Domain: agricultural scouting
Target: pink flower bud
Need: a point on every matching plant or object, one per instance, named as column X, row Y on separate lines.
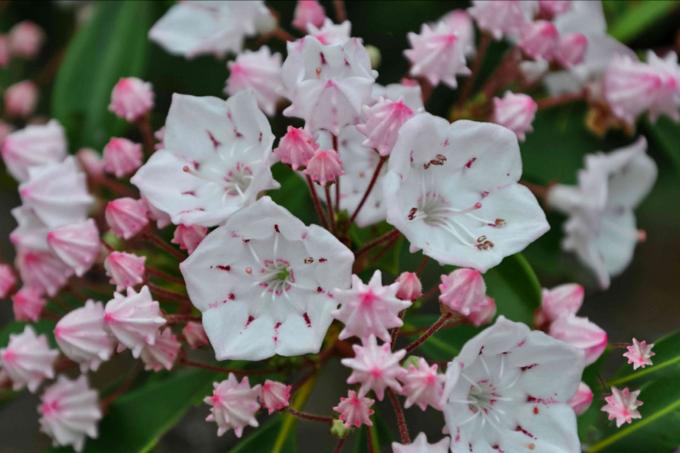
column 124, row 269
column 622, row 405
column 131, row 98
column 126, row 216
column 195, row 335
column 325, row 166
column 122, row 157
column 21, row 99
column 28, row 359
column 563, row 300
column 274, row 395
column 463, row 291
column 582, row 399
column 581, row 333
column 296, row 147
column 76, row 244
column 539, row 40
column 33, row 146
column 7, row 280
column 28, row 304
column 5, row 56
column 552, row 8
column 516, row 112
column 189, row 236
column 639, row 354
column 162, row 353
column 355, row 410
column 410, row 287
column 382, row 123
column 308, row 12
column 502, row 18
column 484, row 313
column 571, row 49
column 42, row 270
column 91, row 161
column 26, row 39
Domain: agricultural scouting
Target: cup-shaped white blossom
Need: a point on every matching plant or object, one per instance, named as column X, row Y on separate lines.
column 76, row 244
column 420, row 445
column 122, row 156
column 516, row 112
column 69, row 412
column 508, row 389
column 57, row 193
column 33, row 146
column 327, row 84
column 438, row 54
column 197, row 28
column 264, row 283
column 82, row 337
column 131, row 98
column 134, row 319
column 233, row 405
column 216, row 159
column 369, row 309
column 452, row 190
column 162, row 354
column 259, row 71
column 28, row 359
column 28, row 304
column 601, row 228
column 124, row 269
column 503, row 18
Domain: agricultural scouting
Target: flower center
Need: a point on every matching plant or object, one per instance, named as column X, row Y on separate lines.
column 237, row 180
column 277, row 276
column 482, row 397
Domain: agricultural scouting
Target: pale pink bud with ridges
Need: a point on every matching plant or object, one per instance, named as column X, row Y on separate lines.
column 274, row 395
column 7, row 280
column 539, row 40
column 125, row 269
column 622, row 406
column 21, row 99
column 69, row 412
column 464, row 291
column 28, row 304
column 460, row 22
column 195, row 335
column 122, row 156
column 325, row 166
column 423, row 385
column 5, row 55
column 639, row 354
column 582, row 399
column 516, row 112
column 581, row 333
column 163, row 353
column 77, row 245
column 410, row 287
column 42, row 270
column 355, row 410
column 126, row 216
column 131, row 98
column 382, row 123
column 308, row 12
column 484, row 313
column 296, row 148
column 33, row 146
column 571, row 49
column 26, row 39
column 82, row 337
column 233, row 405
column 28, row 359
column 91, row 162
column 189, row 236
column 563, row 300
column 134, row 319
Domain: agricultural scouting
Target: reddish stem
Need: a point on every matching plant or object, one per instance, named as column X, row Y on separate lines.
column 484, row 42
column 329, row 208
column 144, row 126
column 339, row 445
column 161, row 244
column 340, row 11
column 371, row 184
column 401, row 418
column 438, row 324
column 377, row 241
column 176, row 318
column 316, row 202
column 308, row 416
column 164, row 275
column 562, row 99
column 236, row 371
column 166, row 294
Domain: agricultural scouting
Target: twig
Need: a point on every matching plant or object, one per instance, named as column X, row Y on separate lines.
column 309, row 416
column 329, row 208
column 340, row 11
column 438, row 324
column 170, row 295
column 164, row 275
column 484, row 42
column 236, row 371
column 562, row 99
column 161, row 244
column 339, row 445
column 371, row 184
column 317, row 203
column 377, row 241
column 401, row 418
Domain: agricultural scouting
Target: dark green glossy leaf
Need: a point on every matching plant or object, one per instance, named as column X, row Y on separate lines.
column 41, row 327
column 515, row 287
column 111, row 45
column 638, row 17
column 666, row 135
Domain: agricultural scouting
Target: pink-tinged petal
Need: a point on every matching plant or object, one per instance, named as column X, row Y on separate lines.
column 581, row 333
column 233, row 405
column 274, row 395
column 410, row 287
column 423, row 385
column 162, row 354
column 324, row 167
column 77, row 245
column 464, row 292
column 622, row 406
column 308, row 12
column 33, row 146
column 26, row 39
column 195, row 335
column 91, row 161
column 296, row 148
column 126, row 217
column 639, row 354
column 420, row 445
column 28, row 359
column 582, row 399
column 563, row 300
column 516, row 112
column 8, row 280
column 571, row 49
column 539, row 40
column 122, row 157
column 21, row 99
column 382, row 123
column 502, row 18
column 260, row 72
column 131, row 98
column 28, row 304
column 189, row 236
column 125, row 269
column 42, row 270
column 355, row 410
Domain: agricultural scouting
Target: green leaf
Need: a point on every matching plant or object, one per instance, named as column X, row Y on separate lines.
column 41, row 327
column 264, row 438
column 666, row 135
column 293, row 194
column 111, row 45
column 666, row 363
column 638, row 17
column 137, row 420
column 656, row 431
column 515, row 287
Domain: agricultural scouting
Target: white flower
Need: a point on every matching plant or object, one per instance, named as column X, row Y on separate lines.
column 601, row 228
column 408, row 90
column 264, row 283
column 420, row 445
column 327, row 84
column 216, row 159
column 509, row 390
column 452, row 190
column 210, row 27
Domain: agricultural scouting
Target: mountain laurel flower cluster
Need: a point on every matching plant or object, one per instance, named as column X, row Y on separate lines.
column 310, row 214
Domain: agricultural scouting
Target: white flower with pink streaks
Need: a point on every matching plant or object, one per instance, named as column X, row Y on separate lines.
column 420, row 445
column 508, row 389
column 69, row 412
column 82, row 337
column 216, row 159
column 452, row 190
column 264, row 282
column 260, row 72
